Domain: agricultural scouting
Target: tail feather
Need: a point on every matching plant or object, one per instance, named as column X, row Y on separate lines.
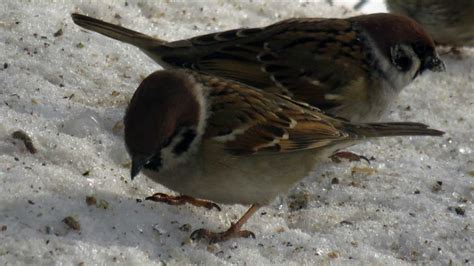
column 374, row 130
column 116, row 32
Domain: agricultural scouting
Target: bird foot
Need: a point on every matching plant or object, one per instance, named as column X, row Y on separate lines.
column 181, row 200
column 213, row 237
column 352, row 157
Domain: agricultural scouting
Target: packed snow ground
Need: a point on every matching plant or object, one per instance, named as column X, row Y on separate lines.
column 68, row 90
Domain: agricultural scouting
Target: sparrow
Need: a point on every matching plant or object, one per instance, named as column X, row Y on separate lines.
column 351, row 68
column 448, row 22
column 219, row 140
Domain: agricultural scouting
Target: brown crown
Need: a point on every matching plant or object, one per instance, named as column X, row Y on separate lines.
column 163, row 104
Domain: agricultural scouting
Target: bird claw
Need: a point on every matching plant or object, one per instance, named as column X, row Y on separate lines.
column 352, row 157
column 214, row 237
column 181, row 200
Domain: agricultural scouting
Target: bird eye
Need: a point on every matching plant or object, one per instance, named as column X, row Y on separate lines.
column 401, row 58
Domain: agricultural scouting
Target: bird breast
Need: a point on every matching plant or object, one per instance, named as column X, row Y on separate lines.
column 216, row 175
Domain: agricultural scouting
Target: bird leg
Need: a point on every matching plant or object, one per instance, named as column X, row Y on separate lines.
column 233, row 232
column 352, row 157
column 181, row 200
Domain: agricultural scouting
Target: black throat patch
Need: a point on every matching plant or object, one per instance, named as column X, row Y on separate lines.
column 155, row 162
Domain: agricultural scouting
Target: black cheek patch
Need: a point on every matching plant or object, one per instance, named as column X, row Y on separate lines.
column 185, row 142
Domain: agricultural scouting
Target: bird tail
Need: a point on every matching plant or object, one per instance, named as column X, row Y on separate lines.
column 116, row 32
column 373, row 130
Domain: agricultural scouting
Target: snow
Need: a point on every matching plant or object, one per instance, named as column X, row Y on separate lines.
column 412, row 204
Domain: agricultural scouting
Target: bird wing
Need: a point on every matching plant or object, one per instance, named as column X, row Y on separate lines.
column 306, row 59
column 251, row 121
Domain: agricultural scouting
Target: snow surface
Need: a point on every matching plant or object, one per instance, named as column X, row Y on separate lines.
column 69, row 93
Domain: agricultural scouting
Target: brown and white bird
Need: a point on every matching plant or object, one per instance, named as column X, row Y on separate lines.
column 215, row 139
column 351, row 68
column 448, row 22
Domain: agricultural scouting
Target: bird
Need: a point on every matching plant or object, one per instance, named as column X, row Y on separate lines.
column 352, row 68
column 213, row 139
column 450, row 23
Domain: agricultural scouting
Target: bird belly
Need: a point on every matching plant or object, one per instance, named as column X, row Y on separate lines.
column 216, row 175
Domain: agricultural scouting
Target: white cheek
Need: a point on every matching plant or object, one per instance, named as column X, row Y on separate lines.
column 392, row 77
column 171, row 160
column 395, row 78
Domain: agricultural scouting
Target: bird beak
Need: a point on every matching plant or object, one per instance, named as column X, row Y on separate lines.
column 137, row 164
column 434, row 64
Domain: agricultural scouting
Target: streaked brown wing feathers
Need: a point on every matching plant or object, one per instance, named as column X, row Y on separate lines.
column 250, row 121
column 301, row 58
